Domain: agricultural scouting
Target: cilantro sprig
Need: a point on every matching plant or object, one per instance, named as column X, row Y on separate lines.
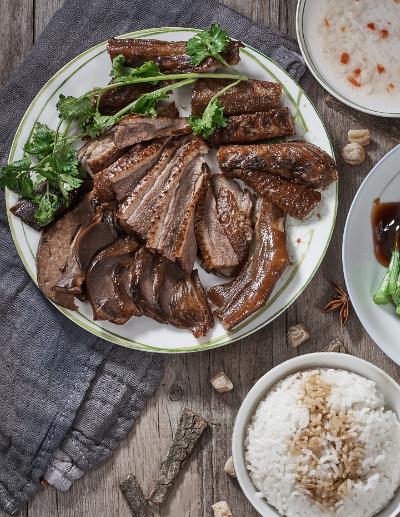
column 124, row 74
column 208, row 43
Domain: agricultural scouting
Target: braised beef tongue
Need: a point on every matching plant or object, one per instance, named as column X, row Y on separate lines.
column 114, row 99
column 246, row 97
column 136, row 212
column 171, row 231
column 107, row 295
column 292, row 198
column 301, row 162
column 98, row 153
column 169, row 55
column 90, row 239
column 133, row 129
column 217, row 253
column 120, row 179
column 254, row 127
column 56, row 249
column 268, row 258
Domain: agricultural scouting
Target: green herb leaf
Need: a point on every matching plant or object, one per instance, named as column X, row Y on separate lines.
column 212, row 119
column 17, row 177
column 80, row 109
column 47, row 206
column 122, row 73
column 41, row 141
column 208, row 43
column 146, row 104
column 99, row 124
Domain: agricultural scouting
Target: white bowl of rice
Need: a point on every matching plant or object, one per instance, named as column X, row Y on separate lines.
column 319, row 436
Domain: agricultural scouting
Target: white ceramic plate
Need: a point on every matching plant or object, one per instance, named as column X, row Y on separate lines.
column 308, row 240
column 308, row 22
column 362, row 272
column 389, row 388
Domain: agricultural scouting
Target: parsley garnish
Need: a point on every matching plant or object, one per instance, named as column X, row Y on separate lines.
column 123, row 74
column 208, row 43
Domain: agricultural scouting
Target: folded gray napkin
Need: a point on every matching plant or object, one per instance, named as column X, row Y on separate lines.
column 68, row 398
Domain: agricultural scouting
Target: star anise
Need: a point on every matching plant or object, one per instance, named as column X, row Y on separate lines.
column 341, row 303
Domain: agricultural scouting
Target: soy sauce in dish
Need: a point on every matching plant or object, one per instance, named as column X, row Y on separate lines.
column 385, row 218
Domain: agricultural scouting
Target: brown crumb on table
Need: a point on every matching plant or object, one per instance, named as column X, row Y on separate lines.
column 221, row 509
column 297, row 335
column 336, row 345
column 221, row 383
column 229, row 467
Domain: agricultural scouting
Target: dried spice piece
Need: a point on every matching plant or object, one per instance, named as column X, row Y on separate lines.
column 297, row 335
column 221, row 509
column 353, row 153
column 359, row 136
column 341, row 303
column 221, row 383
column 190, row 428
column 336, row 345
column 133, row 495
column 229, row 467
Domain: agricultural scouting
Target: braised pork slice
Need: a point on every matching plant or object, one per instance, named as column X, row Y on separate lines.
column 120, row 179
column 294, row 199
column 254, row 127
column 247, row 293
column 301, row 162
column 136, row 212
column 133, row 129
column 98, row 153
column 114, row 99
column 56, row 249
column 246, row 97
column 89, row 240
column 170, row 56
column 106, row 290
column 171, row 231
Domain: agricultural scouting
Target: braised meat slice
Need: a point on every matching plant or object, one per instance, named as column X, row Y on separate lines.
column 133, row 129
column 170, row 56
column 89, row 240
column 253, row 127
column 120, row 179
column 136, row 212
column 56, row 249
column 105, row 282
column 114, row 99
column 292, row 198
column 246, row 97
column 171, row 231
column 98, row 153
column 250, row 290
column 301, row 162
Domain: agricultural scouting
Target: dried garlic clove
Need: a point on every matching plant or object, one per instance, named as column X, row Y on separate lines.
column 221, row 383
column 353, row 153
column 359, row 136
column 297, row 335
column 336, row 345
column 221, row 509
column 230, row 467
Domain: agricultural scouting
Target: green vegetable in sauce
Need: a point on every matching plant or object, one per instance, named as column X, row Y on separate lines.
column 208, row 43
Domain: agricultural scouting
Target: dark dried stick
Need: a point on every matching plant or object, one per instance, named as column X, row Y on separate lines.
column 190, row 428
column 133, row 494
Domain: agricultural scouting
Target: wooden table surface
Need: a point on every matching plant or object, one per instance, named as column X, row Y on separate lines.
column 186, row 379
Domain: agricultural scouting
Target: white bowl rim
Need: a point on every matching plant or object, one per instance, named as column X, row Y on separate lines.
column 324, row 82
column 264, row 384
column 368, row 327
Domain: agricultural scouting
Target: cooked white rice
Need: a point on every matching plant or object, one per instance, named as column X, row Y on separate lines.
column 322, row 444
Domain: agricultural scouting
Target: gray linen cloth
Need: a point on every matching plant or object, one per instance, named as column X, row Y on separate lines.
column 67, row 398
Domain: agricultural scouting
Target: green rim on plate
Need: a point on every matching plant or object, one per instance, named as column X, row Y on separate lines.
column 91, row 326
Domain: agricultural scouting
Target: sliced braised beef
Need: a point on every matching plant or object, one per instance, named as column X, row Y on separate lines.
column 171, row 231
column 133, row 129
column 90, row 239
column 168, row 109
column 170, row 56
column 114, row 99
column 120, row 179
column 136, row 212
column 246, row 97
column 254, row 127
column 244, row 295
column 301, row 162
column 56, row 249
column 105, row 283
column 98, row 153
column 294, row 199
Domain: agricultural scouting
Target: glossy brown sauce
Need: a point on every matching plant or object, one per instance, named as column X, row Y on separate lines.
column 385, row 218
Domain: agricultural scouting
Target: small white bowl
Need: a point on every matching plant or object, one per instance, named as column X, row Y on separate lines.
column 389, row 388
